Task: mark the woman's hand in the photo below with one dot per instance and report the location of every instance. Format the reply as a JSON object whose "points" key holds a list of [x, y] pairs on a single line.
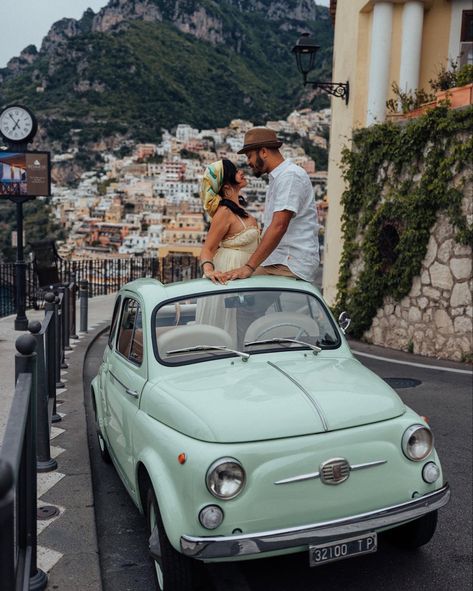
{"points": [[215, 276]]}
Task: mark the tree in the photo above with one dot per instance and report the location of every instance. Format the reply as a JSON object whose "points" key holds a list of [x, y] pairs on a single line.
{"points": [[38, 222]]}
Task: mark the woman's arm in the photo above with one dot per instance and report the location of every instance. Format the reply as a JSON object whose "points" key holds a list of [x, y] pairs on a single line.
{"points": [[218, 230]]}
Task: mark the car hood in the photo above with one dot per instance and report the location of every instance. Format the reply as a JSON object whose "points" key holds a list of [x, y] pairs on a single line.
{"points": [[268, 399]]}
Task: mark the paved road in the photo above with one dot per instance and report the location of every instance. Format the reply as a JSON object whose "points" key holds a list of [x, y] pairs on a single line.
{"points": [[445, 563]]}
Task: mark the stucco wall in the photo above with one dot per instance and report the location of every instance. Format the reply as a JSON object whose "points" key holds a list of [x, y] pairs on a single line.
{"points": [[352, 46]]}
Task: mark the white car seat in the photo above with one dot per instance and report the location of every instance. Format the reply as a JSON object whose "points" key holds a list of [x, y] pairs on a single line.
{"points": [[282, 324], [191, 335]]}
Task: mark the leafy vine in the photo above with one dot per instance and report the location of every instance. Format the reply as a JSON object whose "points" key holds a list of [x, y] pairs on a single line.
{"points": [[399, 177]]}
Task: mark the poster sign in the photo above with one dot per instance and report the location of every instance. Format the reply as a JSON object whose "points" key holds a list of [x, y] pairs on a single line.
{"points": [[25, 174]]}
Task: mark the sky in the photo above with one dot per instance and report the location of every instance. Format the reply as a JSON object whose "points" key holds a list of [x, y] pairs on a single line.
{"points": [[26, 22]]}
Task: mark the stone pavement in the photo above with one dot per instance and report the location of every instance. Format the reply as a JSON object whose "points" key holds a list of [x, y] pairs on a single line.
{"points": [[67, 543]]}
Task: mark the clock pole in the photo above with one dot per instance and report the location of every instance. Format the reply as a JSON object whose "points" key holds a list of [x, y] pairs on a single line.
{"points": [[18, 126]]}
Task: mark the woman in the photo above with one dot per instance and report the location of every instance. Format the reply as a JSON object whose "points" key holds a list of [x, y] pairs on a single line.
{"points": [[234, 234], [232, 238]]}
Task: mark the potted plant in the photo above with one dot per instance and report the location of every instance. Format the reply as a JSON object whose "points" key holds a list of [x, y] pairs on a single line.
{"points": [[454, 85]]}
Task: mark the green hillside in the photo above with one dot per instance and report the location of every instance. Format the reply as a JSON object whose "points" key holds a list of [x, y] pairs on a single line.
{"points": [[136, 79]]}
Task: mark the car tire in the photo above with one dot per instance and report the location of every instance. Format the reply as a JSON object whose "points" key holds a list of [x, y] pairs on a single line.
{"points": [[414, 534], [103, 448], [174, 571]]}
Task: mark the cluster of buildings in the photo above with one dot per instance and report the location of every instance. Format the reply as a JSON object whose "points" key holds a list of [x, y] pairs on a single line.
{"points": [[147, 204]]}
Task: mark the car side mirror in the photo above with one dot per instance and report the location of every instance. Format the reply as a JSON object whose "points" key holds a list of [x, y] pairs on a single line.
{"points": [[344, 321]]}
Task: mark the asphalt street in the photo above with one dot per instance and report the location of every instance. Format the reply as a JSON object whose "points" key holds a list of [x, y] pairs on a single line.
{"points": [[445, 563]]}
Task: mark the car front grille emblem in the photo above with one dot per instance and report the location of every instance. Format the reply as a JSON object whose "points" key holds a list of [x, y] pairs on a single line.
{"points": [[335, 471]]}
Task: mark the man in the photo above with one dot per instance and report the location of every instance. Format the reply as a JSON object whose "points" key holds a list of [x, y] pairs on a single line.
{"points": [[289, 245]]}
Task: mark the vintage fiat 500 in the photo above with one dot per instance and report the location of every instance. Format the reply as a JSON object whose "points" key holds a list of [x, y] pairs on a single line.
{"points": [[242, 426]]}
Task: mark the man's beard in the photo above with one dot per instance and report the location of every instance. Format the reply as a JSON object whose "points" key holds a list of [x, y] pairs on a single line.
{"points": [[258, 168]]}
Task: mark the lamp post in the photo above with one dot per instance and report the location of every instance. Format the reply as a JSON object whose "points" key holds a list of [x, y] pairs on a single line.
{"points": [[305, 51]]}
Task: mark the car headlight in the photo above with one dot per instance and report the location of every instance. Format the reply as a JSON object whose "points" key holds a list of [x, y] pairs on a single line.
{"points": [[211, 516], [430, 472], [417, 442], [225, 478]]}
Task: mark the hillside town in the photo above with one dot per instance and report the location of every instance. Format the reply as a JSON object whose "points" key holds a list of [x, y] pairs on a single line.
{"points": [[147, 203]]}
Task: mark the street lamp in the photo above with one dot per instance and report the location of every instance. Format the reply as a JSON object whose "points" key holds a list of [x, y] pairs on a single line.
{"points": [[305, 50]]}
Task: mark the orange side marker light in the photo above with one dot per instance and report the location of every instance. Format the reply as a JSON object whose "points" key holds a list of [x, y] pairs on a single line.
{"points": [[181, 458]]}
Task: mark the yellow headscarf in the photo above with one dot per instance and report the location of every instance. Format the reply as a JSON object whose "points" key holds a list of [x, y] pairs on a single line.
{"points": [[212, 182]]}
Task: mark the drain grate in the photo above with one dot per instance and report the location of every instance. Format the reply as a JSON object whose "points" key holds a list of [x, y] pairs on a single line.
{"points": [[400, 383], [47, 512]]}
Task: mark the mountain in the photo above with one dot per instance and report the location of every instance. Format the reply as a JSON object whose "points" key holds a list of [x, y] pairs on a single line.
{"points": [[138, 66]]}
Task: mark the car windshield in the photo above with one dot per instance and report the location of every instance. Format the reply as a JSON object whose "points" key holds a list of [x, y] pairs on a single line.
{"points": [[241, 323]]}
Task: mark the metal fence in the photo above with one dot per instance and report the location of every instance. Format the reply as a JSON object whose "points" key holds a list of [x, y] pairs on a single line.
{"points": [[18, 537], [26, 448], [104, 276]]}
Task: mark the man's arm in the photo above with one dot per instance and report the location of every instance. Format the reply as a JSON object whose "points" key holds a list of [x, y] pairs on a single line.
{"points": [[271, 238]]}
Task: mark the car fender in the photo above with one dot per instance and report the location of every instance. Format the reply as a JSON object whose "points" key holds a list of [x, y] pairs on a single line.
{"points": [[97, 402], [169, 497]]}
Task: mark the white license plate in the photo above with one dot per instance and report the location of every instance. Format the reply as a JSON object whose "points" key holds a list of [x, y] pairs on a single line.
{"points": [[323, 553]]}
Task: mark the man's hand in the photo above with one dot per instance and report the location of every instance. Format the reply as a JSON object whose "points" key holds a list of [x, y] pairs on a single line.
{"points": [[240, 273]]}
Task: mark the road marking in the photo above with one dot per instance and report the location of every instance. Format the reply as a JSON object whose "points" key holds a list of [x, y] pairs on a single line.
{"points": [[47, 558], [412, 364], [47, 480]]}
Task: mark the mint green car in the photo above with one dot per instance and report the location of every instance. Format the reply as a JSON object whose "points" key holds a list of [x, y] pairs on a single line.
{"points": [[242, 426]]}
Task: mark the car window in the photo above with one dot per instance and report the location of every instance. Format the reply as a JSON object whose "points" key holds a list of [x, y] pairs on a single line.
{"points": [[130, 334], [115, 317], [213, 324]]}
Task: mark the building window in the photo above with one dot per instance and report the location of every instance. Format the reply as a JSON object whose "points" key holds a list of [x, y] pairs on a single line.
{"points": [[466, 38], [467, 26]]}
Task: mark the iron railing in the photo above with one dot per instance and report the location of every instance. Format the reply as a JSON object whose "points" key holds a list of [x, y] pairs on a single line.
{"points": [[104, 276], [25, 449], [18, 537]]}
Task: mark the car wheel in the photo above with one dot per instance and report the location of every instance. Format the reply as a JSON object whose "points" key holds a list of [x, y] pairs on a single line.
{"points": [[414, 534], [173, 571], [103, 448]]}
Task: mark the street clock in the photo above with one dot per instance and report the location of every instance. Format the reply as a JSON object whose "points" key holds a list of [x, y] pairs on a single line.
{"points": [[18, 125]]}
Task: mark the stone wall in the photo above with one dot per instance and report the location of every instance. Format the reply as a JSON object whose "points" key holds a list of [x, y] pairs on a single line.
{"points": [[436, 317]]}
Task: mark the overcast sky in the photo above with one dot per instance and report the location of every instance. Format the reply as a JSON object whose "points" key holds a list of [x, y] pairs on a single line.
{"points": [[26, 22]]}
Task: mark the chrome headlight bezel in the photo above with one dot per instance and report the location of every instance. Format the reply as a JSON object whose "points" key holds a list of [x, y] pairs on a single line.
{"points": [[407, 442], [219, 465]]}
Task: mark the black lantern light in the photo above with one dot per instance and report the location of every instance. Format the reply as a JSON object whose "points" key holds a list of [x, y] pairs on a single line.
{"points": [[305, 51]]}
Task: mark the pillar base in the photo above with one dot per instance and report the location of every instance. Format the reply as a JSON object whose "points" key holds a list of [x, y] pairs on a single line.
{"points": [[39, 581], [46, 465]]}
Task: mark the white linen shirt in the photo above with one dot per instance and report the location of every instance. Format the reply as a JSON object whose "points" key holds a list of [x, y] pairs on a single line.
{"points": [[290, 189]]}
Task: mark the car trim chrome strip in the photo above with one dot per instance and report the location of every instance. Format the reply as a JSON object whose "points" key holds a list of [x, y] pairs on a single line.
{"points": [[314, 402], [315, 475], [210, 547]]}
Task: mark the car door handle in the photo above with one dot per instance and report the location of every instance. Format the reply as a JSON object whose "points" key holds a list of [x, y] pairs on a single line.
{"points": [[131, 393]]}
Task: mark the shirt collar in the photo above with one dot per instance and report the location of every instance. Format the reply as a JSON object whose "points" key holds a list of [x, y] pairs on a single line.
{"points": [[279, 168]]}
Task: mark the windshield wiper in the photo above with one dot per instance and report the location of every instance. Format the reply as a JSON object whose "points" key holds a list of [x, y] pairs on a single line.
{"points": [[244, 356], [314, 348]]}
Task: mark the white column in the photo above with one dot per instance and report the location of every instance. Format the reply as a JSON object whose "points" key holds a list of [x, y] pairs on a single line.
{"points": [[412, 24], [380, 61]]}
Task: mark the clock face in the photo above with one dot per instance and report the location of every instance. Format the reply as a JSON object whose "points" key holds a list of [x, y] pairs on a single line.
{"points": [[17, 124]]}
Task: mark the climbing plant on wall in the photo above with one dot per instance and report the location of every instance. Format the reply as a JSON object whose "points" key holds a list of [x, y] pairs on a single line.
{"points": [[399, 178]]}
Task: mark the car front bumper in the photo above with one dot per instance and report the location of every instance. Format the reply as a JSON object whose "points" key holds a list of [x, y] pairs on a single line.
{"points": [[206, 548]]}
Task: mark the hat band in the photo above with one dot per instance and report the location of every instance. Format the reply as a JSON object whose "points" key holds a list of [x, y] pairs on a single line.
{"points": [[262, 144]]}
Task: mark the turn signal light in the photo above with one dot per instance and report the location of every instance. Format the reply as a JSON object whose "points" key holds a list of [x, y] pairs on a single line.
{"points": [[181, 458]]}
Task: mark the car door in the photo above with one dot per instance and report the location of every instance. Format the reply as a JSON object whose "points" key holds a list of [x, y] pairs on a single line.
{"points": [[127, 374]]}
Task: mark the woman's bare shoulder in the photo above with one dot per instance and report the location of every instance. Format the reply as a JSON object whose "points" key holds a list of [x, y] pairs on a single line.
{"points": [[223, 214]]}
